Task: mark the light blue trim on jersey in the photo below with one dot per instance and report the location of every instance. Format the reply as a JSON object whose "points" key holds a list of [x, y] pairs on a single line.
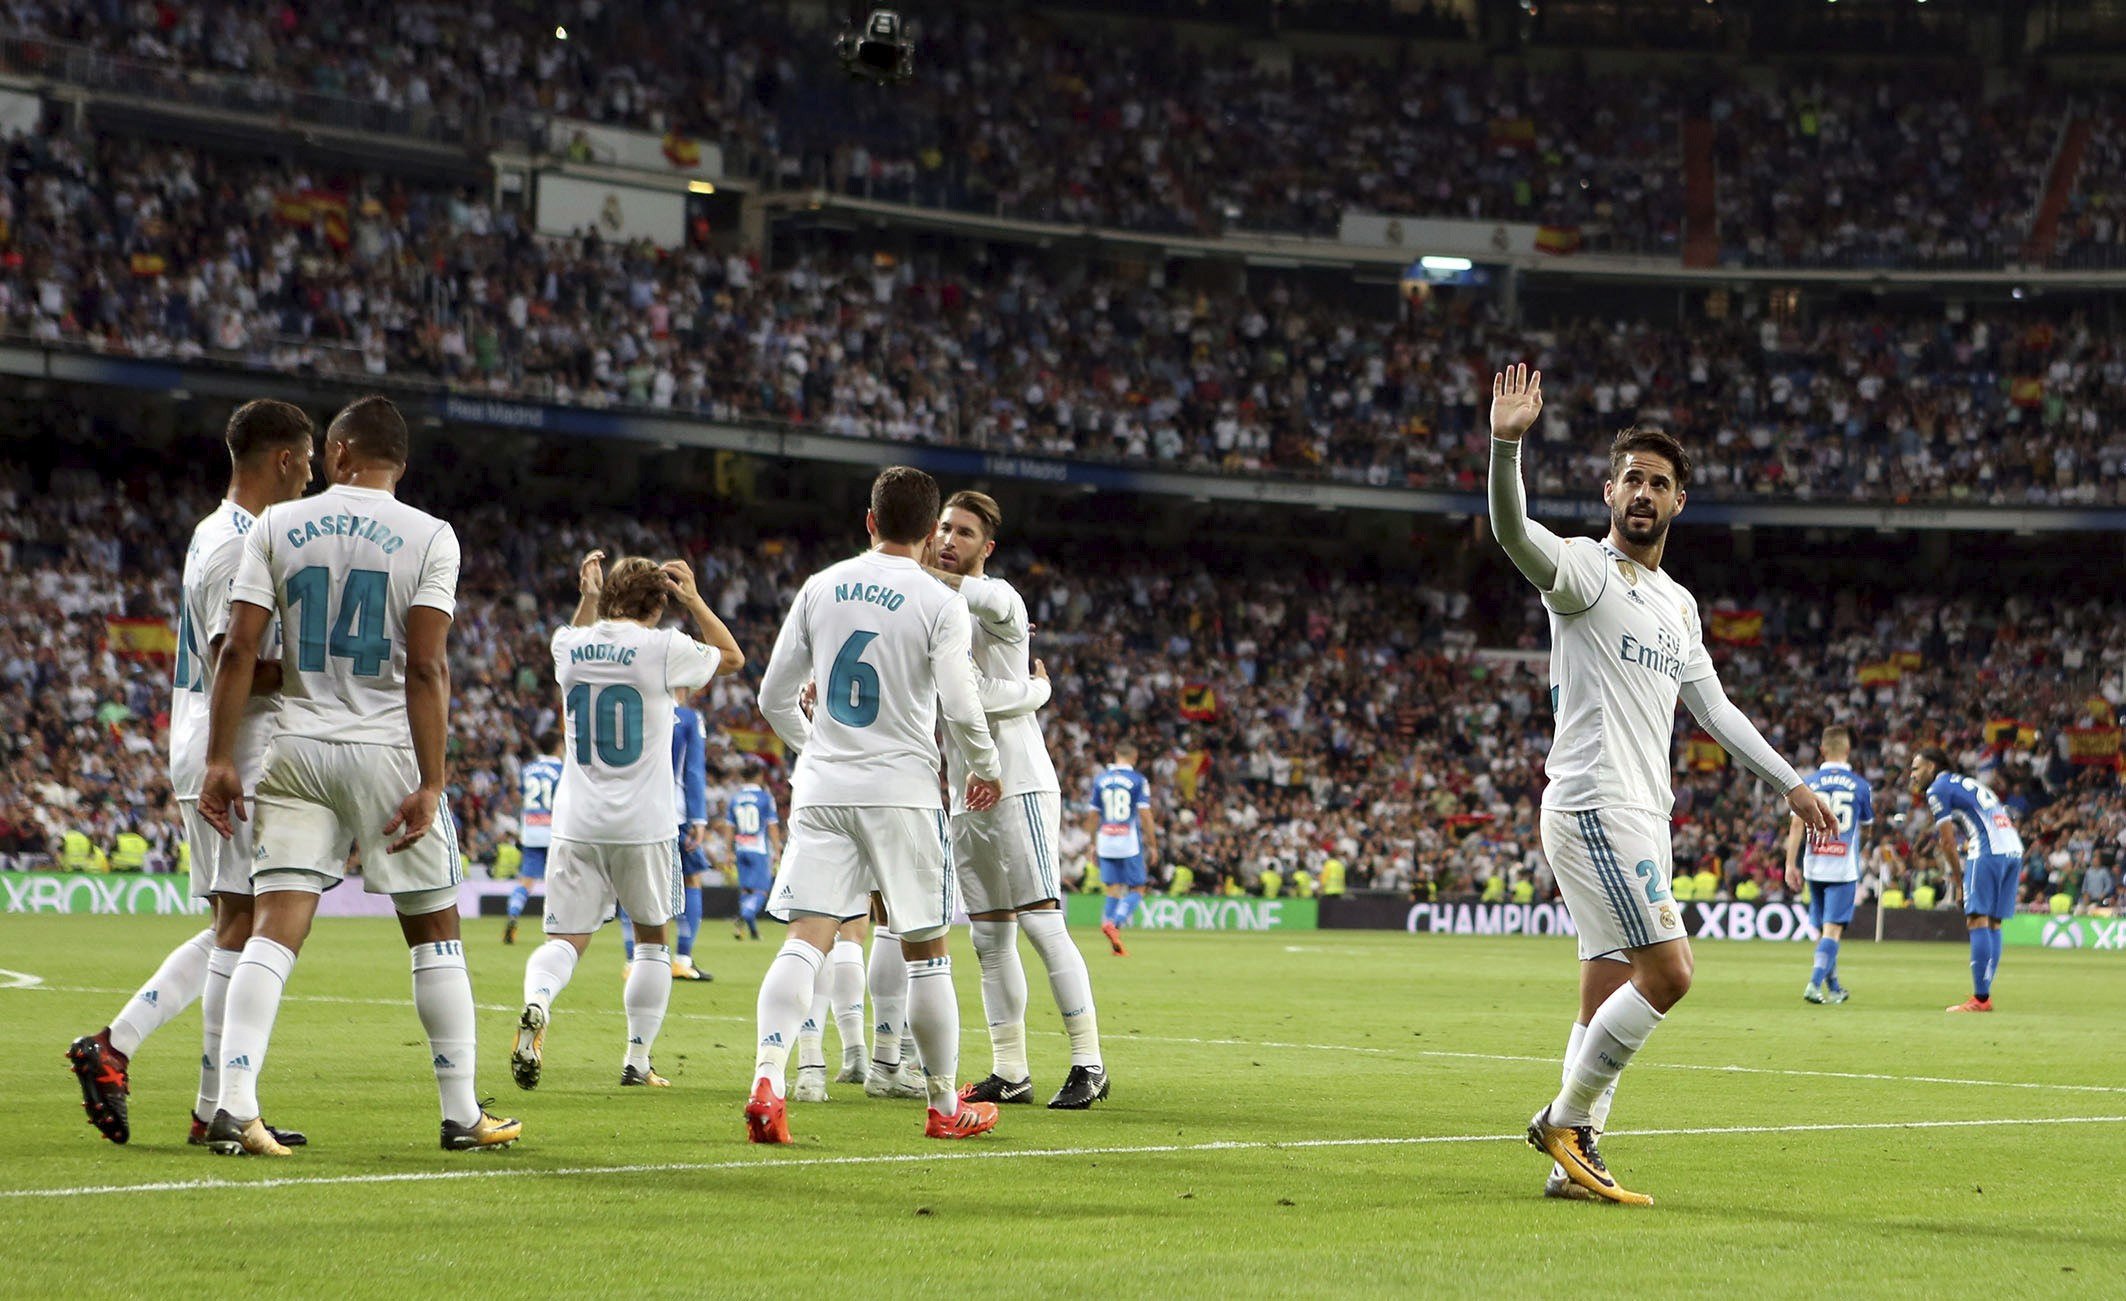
{"points": [[1044, 854], [1629, 920], [945, 886], [450, 837]]}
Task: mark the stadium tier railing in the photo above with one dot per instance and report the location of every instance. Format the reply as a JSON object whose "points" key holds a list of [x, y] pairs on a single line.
{"points": [[239, 379]]}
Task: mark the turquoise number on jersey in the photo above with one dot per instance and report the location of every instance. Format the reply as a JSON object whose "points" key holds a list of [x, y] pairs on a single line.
{"points": [[358, 633], [191, 669], [608, 724], [852, 686], [1650, 873]]}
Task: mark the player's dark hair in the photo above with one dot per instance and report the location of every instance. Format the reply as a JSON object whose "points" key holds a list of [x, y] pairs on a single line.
{"points": [[373, 428], [983, 507], [549, 740], [904, 504], [1643, 438], [1125, 749], [635, 589], [265, 425], [1937, 756], [1837, 735]]}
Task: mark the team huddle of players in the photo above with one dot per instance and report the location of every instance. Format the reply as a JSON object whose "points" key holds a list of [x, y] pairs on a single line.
{"points": [[288, 766]]}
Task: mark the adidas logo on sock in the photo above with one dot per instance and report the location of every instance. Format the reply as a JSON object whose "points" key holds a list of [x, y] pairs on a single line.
{"points": [[148, 996], [442, 1063], [772, 1041], [240, 1063], [636, 1040]]}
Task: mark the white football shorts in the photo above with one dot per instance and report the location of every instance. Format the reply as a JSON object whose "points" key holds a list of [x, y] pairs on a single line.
{"points": [[584, 881], [1614, 866], [1006, 858], [218, 866], [837, 854], [319, 799]]}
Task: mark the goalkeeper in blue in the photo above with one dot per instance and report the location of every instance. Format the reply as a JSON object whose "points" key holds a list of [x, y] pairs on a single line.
{"points": [[1830, 865]]}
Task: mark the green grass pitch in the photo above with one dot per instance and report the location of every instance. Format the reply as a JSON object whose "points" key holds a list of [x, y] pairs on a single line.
{"points": [[1294, 1114]]}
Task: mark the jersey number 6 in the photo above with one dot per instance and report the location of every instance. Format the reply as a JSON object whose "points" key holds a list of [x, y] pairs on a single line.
{"points": [[852, 685]]}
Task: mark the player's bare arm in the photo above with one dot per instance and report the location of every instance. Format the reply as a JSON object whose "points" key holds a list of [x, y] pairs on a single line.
{"points": [[1150, 823], [1952, 862], [590, 581], [221, 798], [680, 575], [428, 718]]}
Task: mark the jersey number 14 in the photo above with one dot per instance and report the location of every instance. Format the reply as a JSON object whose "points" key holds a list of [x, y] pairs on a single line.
{"points": [[357, 634]]}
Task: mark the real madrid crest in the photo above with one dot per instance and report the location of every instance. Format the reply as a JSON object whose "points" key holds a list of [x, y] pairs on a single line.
{"points": [[1630, 572]]}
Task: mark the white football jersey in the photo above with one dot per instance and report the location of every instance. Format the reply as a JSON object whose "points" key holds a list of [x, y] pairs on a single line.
{"points": [[617, 678], [1623, 640], [888, 646], [1001, 654], [203, 614], [342, 569]]}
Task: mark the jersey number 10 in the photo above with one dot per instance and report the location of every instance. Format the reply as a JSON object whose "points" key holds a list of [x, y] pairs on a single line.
{"points": [[607, 724]]}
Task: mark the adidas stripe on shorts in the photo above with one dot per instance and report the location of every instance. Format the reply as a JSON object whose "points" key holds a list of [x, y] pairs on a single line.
{"points": [[1614, 866]]}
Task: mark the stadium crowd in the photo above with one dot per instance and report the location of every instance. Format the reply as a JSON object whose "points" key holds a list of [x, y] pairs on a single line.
{"points": [[1328, 715], [1151, 133], [163, 251]]}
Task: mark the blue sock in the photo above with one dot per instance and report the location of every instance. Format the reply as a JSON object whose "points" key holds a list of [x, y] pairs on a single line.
{"points": [[690, 921], [1130, 904], [517, 899], [1107, 910], [1826, 954], [1830, 976], [1981, 963], [1993, 958], [749, 905]]}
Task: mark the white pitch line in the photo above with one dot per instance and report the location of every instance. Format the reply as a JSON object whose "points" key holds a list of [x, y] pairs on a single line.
{"points": [[19, 980], [1004, 1154], [1782, 1070]]}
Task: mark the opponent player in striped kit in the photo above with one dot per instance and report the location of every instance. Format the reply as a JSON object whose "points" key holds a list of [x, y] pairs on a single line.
{"points": [[1831, 866]]}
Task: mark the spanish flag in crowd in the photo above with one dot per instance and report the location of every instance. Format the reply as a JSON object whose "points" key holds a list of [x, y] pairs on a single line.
{"points": [[2093, 746], [303, 207], [681, 151], [1188, 774], [1701, 753], [1910, 661], [2026, 391], [758, 741], [150, 638], [149, 265], [1557, 240], [2000, 731], [1739, 627], [1881, 673], [2100, 709], [1199, 702]]}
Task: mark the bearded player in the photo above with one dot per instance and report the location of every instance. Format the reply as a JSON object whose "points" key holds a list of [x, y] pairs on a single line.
{"points": [[1625, 644]]}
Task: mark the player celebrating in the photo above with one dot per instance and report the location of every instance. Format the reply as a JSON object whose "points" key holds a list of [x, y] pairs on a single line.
{"points": [[537, 783], [1988, 869], [1124, 840], [366, 586], [1625, 642], [1831, 866], [1006, 861], [614, 819], [890, 647], [756, 841], [269, 462], [690, 785]]}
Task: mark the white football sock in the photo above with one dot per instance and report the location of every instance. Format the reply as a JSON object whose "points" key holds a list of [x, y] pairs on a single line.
{"points": [[996, 946], [172, 989], [889, 997], [812, 1031], [442, 995], [846, 979], [1068, 980], [934, 1016], [785, 993], [255, 989], [547, 973], [647, 994], [213, 1010], [1600, 1110], [1619, 1029]]}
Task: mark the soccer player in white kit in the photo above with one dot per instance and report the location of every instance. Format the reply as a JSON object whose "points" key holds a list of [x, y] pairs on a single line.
{"points": [[364, 587], [1625, 643], [889, 647], [615, 818], [1006, 860], [270, 456]]}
